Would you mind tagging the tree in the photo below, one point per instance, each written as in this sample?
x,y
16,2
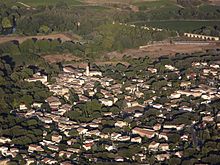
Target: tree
x,y
73,97
121,67
23,140
44,29
27,46
27,99
115,110
73,133
92,106
6,23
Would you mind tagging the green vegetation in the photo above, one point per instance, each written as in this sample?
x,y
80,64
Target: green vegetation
x,y
152,5
13,92
181,25
34,3
62,16
111,37
166,9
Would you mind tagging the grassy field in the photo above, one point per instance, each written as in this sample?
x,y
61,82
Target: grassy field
x,y
182,26
157,4
34,3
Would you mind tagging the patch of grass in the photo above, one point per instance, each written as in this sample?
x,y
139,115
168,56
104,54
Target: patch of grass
x,y
157,4
207,7
36,3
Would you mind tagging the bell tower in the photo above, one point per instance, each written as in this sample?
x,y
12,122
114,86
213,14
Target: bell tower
x,y
88,70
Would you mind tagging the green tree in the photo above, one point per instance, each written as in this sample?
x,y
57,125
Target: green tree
x,y
73,97
44,29
6,23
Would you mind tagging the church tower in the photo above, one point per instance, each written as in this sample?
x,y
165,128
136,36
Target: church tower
x,y
87,70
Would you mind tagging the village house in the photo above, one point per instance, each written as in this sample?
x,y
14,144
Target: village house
x,y
106,102
152,70
185,84
36,105
162,157
138,114
190,93
53,147
208,119
110,147
65,153
144,132
164,147
119,159
73,150
95,132
66,163
172,126
71,141
93,125
38,77
4,140
22,107
157,127
47,142
29,161
184,137
136,139
121,124
163,135
82,130
123,138
34,147
115,136
49,161
153,146
104,136
175,96
54,102
88,146
170,67
56,138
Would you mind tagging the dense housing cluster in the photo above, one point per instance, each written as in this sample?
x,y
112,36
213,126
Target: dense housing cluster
x,y
168,115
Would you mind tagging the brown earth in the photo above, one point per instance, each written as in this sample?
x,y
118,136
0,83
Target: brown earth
x,y
20,39
153,51
157,50
215,2
54,58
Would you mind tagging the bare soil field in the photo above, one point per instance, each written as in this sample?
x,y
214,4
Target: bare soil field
x,y
157,50
54,58
215,2
21,39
